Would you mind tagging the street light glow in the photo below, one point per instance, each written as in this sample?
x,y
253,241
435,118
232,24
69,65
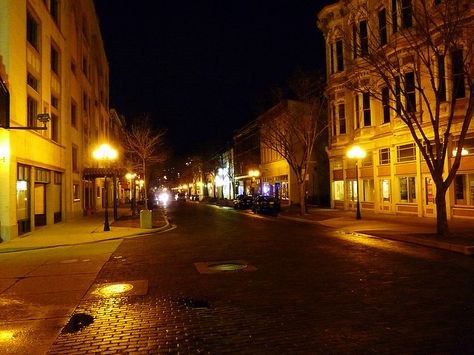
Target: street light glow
x,y
105,152
356,152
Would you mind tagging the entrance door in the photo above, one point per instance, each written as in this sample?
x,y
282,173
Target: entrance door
x,y
40,204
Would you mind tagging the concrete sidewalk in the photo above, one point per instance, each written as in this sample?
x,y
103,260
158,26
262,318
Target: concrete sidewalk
x,y
89,229
409,229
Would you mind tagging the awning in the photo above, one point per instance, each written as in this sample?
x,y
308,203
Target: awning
x,y
93,173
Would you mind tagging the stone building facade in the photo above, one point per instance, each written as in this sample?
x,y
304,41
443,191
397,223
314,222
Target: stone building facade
x,y
53,65
394,177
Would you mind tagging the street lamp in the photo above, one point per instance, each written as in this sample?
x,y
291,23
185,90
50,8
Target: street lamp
x,y
105,153
357,153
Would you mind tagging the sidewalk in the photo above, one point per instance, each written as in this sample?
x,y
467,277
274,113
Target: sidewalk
x,y
409,229
82,230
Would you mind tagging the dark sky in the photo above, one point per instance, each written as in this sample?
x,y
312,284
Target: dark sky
x,y
200,68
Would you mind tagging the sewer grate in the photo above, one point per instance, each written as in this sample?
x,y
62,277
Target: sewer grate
x,y
77,322
194,303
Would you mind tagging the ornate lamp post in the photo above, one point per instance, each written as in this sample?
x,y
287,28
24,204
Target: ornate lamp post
x,y
105,153
357,153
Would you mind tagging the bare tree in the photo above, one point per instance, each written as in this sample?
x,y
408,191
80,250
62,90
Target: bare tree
x,y
142,144
293,131
423,73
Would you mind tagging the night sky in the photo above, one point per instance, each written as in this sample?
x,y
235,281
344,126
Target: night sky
x,y
202,68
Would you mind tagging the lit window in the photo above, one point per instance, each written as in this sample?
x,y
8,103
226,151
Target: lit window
x,y
338,190
385,188
368,190
407,189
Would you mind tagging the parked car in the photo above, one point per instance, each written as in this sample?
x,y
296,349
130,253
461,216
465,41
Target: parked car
x,y
243,202
181,198
266,204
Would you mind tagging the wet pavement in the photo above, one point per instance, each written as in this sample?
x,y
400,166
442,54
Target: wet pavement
x,y
307,289
319,283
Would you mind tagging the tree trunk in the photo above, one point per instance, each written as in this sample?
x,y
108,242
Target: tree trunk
x,y
442,228
302,197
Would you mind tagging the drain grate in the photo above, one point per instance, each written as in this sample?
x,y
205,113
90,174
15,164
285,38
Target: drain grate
x,y
194,303
77,322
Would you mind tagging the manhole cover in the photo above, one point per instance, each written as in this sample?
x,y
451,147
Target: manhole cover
x,y
224,267
77,322
227,266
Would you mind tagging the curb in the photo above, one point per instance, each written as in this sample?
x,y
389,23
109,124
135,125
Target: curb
x,y
166,226
457,248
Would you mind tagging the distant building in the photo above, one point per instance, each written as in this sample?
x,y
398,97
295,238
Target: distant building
x,y
52,61
393,176
277,177
259,169
247,159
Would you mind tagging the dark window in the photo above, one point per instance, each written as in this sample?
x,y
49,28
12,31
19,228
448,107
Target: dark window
x,y
74,158
366,108
32,34
54,101
342,119
383,27
54,60
384,156
398,101
406,152
32,81
459,89
364,38
332,58
85,67
459,187
386,105
339,55
334,120
410,95
4,105
394,17
357,114
441,79
354,41
406,14
54,10
73,115
32,111
54,127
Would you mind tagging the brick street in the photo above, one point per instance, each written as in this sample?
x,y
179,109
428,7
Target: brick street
x,y
310,290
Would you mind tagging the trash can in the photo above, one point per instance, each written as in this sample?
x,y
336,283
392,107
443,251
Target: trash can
x,y
145,219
